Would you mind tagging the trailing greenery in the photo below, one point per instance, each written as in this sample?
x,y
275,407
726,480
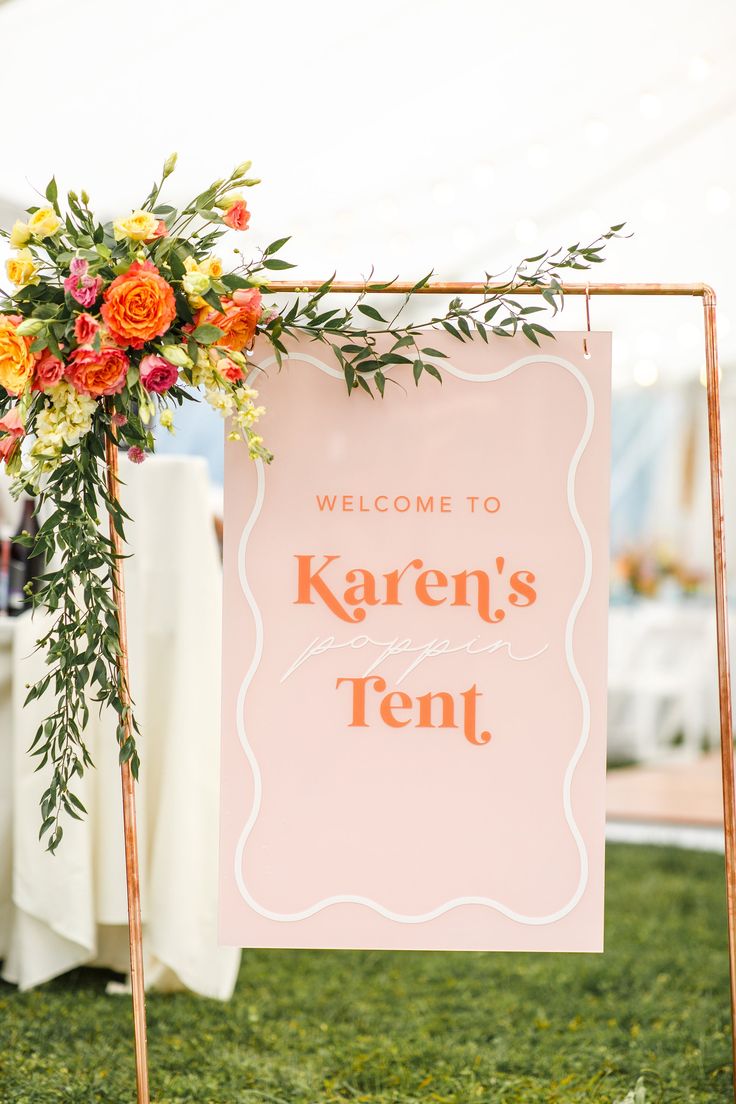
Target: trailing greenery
x,y
402,1028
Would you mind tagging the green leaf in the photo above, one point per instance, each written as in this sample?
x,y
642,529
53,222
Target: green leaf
x,y
529,332
433,352
207,334
176,264
275,246
274,263
451,330
213,299
370,312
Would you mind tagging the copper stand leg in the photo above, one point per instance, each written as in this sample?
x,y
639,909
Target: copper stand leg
x,y
724,669
132,877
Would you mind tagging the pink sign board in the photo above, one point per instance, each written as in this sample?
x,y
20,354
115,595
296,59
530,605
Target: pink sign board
x,y
414,697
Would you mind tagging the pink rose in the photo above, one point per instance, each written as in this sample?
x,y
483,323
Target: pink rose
x,y
237,216
85,328
80,285
48,371
157,374
230,370
162,230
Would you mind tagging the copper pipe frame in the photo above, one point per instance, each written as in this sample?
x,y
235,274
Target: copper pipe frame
x,y
130,831
707,294
703,291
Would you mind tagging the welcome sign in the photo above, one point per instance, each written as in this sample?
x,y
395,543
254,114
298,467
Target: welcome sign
x,y
415,631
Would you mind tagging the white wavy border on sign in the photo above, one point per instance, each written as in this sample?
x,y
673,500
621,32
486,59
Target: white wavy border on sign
x,y
457,902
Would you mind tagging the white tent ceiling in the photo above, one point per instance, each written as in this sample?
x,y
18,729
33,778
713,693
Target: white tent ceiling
x,y
459,134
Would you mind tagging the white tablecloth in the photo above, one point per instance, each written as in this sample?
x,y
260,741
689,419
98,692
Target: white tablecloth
x,y
70,909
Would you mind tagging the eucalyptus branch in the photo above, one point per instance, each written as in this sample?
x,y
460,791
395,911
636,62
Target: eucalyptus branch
x,y
495,311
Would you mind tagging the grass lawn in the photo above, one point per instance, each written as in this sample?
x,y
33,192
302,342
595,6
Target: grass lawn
x,y
308,1026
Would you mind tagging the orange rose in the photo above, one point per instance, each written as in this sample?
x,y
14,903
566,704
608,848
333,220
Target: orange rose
x,y
138,306
16,358
239,318
96,374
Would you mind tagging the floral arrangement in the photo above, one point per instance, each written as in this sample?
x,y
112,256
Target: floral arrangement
x,y
113,325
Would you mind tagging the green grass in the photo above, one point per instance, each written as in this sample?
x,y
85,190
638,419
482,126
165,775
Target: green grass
x,y
307,1026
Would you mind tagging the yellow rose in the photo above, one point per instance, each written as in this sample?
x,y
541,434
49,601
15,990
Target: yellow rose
x,y
43,223
138,226
212,267
16,359
21,268
19,235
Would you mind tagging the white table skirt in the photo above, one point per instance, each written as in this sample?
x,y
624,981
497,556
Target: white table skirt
x,y
62,911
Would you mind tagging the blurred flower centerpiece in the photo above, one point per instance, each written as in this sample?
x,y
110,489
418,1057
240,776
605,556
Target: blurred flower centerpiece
x,y
649,571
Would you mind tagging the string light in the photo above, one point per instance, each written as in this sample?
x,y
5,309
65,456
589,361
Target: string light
x,y
537,156
482,175
718,199
645,373
526,231
443,193
596,132
650,106
698,69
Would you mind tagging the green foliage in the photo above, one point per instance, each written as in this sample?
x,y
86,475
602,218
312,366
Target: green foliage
x,y
342,1027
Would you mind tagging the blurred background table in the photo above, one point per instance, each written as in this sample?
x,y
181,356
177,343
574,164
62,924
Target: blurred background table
x,y
63,911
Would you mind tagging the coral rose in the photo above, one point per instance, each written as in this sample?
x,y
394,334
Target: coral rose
x,y
13,423
16,358
8,447
85,328
237,216
239,318
48,371
14,426
96,374
230,370
138,306
158,374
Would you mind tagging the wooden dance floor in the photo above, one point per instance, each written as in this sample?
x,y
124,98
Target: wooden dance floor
x,y
687,793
